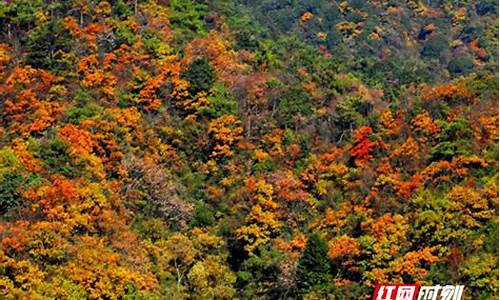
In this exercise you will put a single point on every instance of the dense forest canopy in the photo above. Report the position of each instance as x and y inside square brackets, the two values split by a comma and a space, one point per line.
[237, 149]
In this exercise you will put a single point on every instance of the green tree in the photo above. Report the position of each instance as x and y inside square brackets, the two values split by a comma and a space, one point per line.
[293, 105]
[434, 47]
[314, 269]
[460, 65]
[203, 215]
[55, 155]
[10, 179]
[484, 7]
[186, 17]
[9, 186]
[49, 45]
[453, 140]
[201, 75]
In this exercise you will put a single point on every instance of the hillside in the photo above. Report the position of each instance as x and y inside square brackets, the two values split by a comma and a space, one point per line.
[236, 149]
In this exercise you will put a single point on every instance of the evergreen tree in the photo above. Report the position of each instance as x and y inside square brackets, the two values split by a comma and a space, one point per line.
[201, 75]
[48, 46]
[9, 186]
[313, 271]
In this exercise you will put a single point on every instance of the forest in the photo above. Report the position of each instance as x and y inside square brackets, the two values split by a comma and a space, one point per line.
[239, 149]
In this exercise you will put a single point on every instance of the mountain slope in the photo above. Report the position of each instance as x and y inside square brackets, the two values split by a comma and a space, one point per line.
[247, 149]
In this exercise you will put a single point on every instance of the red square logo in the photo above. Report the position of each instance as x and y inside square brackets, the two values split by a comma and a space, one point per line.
[395, 292]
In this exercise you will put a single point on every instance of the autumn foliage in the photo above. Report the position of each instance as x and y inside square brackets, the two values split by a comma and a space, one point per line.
[247, 149]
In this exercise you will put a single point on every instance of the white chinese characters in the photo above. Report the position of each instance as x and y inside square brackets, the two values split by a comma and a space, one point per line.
[410, 292]
[396, 292]
[447, 292]
[406, 293]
